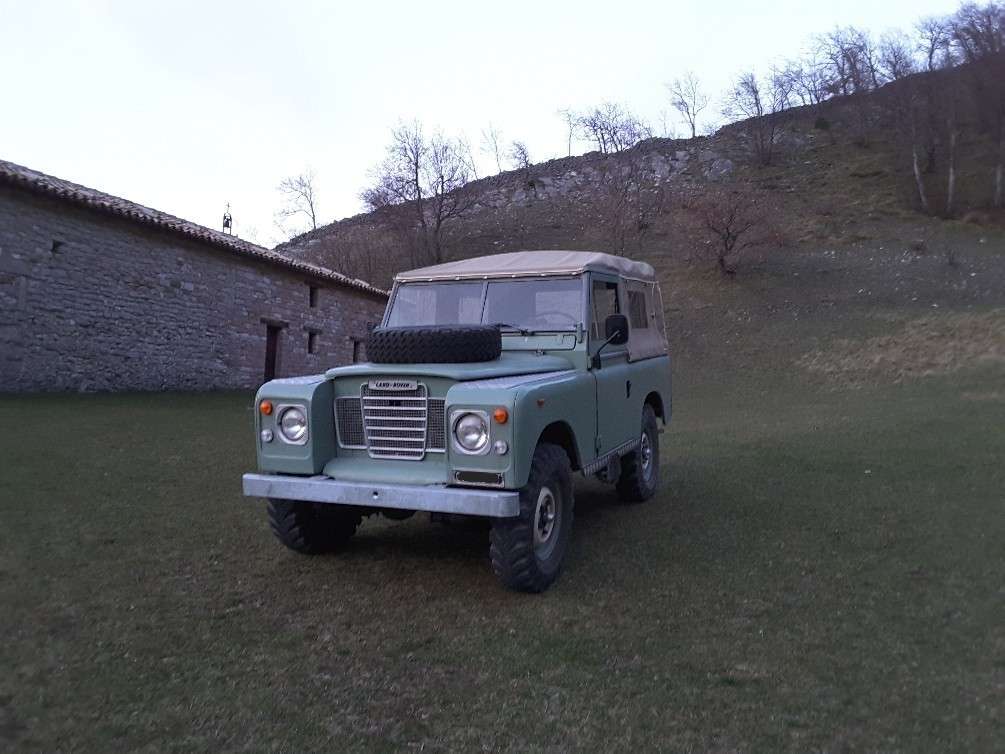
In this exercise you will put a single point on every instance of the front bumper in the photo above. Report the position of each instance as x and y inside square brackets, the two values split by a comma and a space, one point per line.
[434, 497]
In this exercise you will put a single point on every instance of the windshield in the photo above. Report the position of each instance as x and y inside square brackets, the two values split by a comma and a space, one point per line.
[541, 304]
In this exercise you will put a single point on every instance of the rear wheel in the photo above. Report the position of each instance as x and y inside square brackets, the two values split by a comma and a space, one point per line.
[640, 469]
[527, 551]
[312, 528]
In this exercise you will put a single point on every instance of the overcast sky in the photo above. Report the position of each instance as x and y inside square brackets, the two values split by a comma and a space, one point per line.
[184, 106]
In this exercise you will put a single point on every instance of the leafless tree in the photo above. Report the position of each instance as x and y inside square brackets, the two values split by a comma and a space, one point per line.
[905, 106]
[935, 42]
[519, 156]
[569, 118]
[632, 197]
[492, 145]
[668, 128]
[612, 128]
[896, 57]
[734, 219]
[300, 197]
[805, 79]
[977, 33]
[851, 67]
[468, 154]
[763, 105]
[851, 60]
[688, 99]
[427, 175]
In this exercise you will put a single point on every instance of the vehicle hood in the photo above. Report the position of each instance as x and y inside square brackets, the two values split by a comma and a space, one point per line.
[509, 363]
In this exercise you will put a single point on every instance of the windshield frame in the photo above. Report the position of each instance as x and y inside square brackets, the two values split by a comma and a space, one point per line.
[584, 299]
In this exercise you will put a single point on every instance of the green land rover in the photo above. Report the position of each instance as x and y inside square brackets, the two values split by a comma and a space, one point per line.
[489, 382]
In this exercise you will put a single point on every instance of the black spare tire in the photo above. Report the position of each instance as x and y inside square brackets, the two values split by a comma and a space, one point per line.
[434, 344]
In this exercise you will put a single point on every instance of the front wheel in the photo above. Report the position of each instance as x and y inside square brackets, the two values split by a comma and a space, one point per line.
[527, 551]
[640, 469]
[312, 528]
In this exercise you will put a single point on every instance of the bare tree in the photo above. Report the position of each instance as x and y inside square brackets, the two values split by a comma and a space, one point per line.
[896, 57]
[668, 129]
[468, 154]
[935, 42]
[905, 106]
[688, 99]
[734, 219]
[951, 108]
[300, 197]
[763, 105]
[569, 118]
[850, 58]
[633, 197]
[427, 174]
[851, 67]
[492, 145]
[612, 128]
[519, 156]
[978, 31]
[805, 79]
[978, 38]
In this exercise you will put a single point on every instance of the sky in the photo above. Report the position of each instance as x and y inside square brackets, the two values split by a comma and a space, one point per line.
[186, 106]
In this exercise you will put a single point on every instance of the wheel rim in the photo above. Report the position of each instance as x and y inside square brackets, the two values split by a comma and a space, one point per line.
[646, 454]
[547, 520]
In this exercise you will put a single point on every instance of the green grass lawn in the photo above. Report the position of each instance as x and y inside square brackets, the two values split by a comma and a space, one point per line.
[824, 571]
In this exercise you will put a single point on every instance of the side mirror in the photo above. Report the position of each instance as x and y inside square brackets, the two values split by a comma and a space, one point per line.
[616, 329]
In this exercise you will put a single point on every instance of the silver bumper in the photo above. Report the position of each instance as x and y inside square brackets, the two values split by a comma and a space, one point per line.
[436, 498]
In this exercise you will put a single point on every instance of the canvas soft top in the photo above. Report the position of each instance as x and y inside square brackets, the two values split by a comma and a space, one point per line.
[532, 263]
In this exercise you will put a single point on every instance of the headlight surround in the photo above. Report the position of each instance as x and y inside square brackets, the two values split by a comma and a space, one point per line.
[471, 432]
[293, 425]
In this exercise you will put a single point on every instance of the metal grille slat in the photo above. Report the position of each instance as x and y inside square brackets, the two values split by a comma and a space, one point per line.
[436, 439]
[349, 423]
[401, 424]
[383, 406]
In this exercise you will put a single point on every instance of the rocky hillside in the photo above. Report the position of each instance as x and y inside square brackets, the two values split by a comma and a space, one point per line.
[828, 180]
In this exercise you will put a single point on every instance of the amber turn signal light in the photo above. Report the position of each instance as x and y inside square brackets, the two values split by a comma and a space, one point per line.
[501, 415]
[265, 407]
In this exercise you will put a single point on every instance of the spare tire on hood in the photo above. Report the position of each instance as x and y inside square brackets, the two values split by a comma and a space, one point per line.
[434, 344]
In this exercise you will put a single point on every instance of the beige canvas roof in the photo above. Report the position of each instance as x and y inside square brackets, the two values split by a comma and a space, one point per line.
[532, 263]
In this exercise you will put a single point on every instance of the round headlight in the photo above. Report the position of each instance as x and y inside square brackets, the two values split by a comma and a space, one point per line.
[472, 432]
[293, 424]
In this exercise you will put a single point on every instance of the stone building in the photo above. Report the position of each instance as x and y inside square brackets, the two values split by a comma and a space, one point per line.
[99, 293]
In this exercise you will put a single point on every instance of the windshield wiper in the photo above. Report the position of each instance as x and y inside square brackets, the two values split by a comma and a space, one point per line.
[521, 330]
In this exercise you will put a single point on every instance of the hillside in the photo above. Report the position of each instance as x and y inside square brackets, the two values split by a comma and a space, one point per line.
[833, 182]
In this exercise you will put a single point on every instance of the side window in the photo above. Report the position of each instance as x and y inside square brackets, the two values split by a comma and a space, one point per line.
[604, 303]
[638, 312]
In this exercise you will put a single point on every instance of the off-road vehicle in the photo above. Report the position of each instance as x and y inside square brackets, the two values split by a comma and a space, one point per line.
[490, 382]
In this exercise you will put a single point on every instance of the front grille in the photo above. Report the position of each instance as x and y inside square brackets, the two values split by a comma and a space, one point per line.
[394, 421]
[436, 438]
[403, 424]
[349, 422]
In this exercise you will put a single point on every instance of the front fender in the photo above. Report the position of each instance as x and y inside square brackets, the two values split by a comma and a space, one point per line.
[313, 393]
[534, 402]
[570, 399]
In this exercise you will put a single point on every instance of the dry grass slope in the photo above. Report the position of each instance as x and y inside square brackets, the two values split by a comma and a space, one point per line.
[922, 347]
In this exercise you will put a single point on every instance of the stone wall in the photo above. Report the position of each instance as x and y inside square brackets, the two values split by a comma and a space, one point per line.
[93, 302]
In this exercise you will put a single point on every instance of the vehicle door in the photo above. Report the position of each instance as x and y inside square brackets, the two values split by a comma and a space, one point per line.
[617, 421]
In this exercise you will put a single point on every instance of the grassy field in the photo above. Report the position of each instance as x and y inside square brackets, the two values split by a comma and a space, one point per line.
[824, 571]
